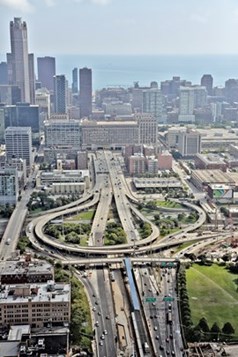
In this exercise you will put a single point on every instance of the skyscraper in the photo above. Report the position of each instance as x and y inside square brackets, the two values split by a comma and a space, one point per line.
[3, 73]
[85, 92]
[31, 77]
[46, 72]
[207, 81]
[75, 86]
[18, 63]
[60, 94]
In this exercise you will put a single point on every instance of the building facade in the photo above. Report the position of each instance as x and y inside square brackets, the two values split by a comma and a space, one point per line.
[18, 142]
[8, 186]
[35, 304]
[59, 94]
[46, 72]
[62, 133]
[85, 92]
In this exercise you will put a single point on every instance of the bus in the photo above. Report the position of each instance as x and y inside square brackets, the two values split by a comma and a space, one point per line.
[169, 317]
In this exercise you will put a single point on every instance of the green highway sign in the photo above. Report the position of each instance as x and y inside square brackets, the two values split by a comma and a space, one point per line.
[168, 298]
[150, 299]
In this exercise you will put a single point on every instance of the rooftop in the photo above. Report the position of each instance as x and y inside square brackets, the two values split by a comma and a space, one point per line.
[45, 292]
[21, 267]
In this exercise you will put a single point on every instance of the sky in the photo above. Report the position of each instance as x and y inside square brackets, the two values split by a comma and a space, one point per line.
[124, 26]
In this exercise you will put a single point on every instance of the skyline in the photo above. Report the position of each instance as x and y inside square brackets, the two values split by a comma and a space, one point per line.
[124, 27]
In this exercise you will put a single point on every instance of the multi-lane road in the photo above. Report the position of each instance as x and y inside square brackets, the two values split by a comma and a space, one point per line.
[161, 311]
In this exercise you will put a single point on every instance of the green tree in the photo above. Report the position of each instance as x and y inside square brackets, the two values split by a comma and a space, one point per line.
[215, 331]
[228, 329]
[204, 325]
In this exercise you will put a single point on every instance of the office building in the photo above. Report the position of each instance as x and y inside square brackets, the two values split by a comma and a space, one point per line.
[3, 73]
[147, 128]
[171, 88]
[18, 142]
[23, 114]
[152, 103]
[31, 77]
[186, 104]
[85, 92]
[110, 134]
[63, 134]
[60, 94]
[189, 142]
[200, 97]
[18, 60]
[46, 72]
[75, 86]
[8, 186]
[9, 94]
[35, 304]
[82, 160]
[207, 81]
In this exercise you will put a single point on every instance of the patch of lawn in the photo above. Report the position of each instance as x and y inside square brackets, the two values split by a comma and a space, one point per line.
[213, 294]
[83, 216]
[169, 204]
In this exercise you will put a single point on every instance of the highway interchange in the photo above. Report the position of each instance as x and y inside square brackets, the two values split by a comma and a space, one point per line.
[164, 338]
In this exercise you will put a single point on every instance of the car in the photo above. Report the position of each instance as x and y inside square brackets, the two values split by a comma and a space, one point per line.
[161, 347]
[105, 332]
[96, 303]
[94, 308]
[102, 337]
[155, 328]
[167, 352]
[107, 317]
[167, 339]
[157, 337]
[155, 316]
[101, 343]
[172, 353]
[171, 335]
[97, 323]
[153, 303]
[99, 313]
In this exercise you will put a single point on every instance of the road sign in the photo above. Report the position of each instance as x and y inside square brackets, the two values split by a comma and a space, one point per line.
[168, 298]
[150, 299]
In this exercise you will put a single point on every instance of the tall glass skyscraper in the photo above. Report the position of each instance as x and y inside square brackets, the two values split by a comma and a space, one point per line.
[60, 94]
[18, 62]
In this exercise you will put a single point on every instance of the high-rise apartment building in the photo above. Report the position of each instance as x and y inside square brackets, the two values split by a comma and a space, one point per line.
[60, 94]
[189, 142]
[18, 60]
[200, 96]
[186, 104]
[153, 103]
[75, 86]
[85, 92]
[207, 81]
[8, 186]
[18, 142]
[46, 72]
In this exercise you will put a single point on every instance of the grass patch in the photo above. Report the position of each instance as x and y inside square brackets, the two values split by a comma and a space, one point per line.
[169, 204]
[185, 245]
[82, 216]
[213, 294]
